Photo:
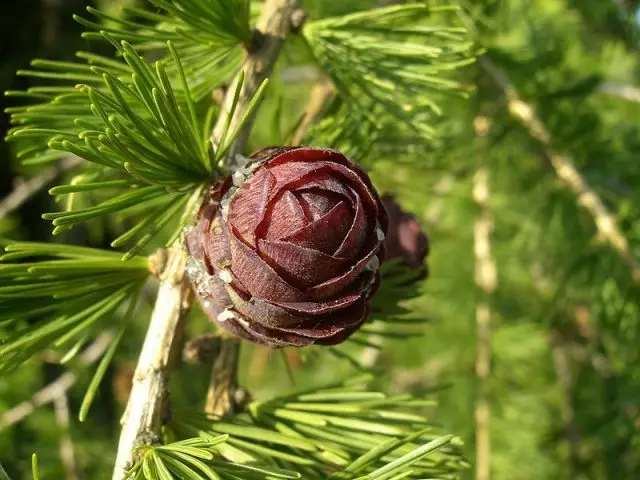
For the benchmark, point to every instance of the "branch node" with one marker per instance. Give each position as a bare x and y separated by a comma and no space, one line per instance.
202,349
298,19
158,262
258,39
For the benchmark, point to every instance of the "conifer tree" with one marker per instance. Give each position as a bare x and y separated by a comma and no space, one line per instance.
521,166
155,120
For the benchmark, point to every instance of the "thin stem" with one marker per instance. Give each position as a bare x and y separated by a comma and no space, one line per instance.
486,281
3,474
273,25
147,410
67,450
565,169
320,97
30,187
224,379
59,386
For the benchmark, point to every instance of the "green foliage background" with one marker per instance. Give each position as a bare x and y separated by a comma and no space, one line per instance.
557,280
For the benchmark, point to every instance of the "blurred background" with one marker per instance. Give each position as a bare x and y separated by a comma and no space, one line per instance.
531,199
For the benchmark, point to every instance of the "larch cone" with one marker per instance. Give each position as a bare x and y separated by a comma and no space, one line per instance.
286,252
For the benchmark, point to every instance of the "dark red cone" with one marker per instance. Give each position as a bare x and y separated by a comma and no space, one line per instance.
287,253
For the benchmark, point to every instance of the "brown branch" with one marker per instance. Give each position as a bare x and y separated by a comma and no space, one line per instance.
59,386
147,408
626,92
223,397
27,188
486,281
274,24
565,169
320,97
202,349
223,384
67,455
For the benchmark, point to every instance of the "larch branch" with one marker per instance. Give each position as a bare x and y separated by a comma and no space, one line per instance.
565,169
486,280
146,409
223,384
274,24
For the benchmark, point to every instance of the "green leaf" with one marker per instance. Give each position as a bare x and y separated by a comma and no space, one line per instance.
118,107
73,351
69,290
34,467
260,434
327,428
344,396
163,472
391,67
102,369
388,471
376,453
229,138
148,465
270,473
267,452
207,37
194,462
180,469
